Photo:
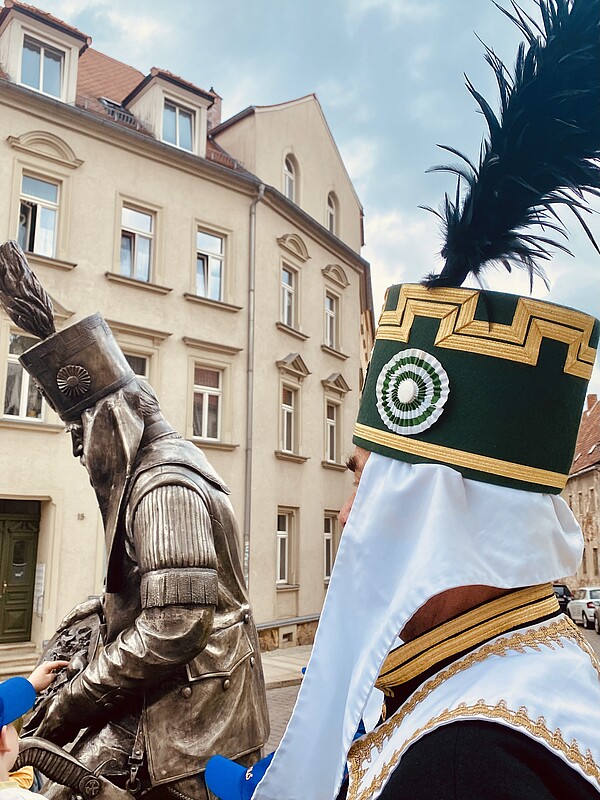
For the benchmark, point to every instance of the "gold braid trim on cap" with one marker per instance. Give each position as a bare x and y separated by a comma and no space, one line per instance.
533,321
360,753
465,632
461,458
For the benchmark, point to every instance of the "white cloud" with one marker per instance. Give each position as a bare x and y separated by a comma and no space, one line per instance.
131,36
70,9
397,11
400,248
360,156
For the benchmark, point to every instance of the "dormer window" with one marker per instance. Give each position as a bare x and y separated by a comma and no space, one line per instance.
42,67
178,126
289,178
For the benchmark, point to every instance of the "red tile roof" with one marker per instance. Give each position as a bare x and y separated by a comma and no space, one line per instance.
587,450
103,76
170,76
55,22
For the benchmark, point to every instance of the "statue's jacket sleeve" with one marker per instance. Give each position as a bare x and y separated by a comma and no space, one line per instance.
181,644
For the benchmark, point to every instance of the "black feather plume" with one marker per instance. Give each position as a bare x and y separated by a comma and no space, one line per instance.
540,154
22,296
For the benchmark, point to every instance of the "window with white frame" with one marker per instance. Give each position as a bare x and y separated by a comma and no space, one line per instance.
178,126
289,280
38,216
210,260
285,523
208,389
139,364
329,534
22,398
289,401
137,239
331,213
331,432
331,320
289,178
42,67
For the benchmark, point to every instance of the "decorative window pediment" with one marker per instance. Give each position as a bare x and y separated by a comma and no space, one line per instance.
336,274
293,364
46,145
294,245
336,383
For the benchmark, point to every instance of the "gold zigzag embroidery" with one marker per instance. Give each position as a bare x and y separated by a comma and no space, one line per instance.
533,321
361,752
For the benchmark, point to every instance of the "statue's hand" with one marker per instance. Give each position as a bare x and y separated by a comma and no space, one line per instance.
81,611
59,722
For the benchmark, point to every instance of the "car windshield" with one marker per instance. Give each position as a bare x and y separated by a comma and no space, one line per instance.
560,591
595,594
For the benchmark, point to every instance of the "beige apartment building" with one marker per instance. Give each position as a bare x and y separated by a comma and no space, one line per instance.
583,490
225,258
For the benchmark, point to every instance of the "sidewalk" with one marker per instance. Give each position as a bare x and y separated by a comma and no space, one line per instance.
284,667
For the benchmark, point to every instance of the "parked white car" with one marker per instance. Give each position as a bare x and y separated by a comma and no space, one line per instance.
582,606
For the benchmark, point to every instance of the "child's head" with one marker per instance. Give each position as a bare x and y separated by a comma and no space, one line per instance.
17,696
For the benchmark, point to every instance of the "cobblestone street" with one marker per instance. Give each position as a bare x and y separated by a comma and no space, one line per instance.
281,701
593,639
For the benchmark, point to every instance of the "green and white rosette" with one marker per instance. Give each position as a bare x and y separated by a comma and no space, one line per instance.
412,389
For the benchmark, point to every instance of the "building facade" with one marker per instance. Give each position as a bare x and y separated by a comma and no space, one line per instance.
225,258
582,491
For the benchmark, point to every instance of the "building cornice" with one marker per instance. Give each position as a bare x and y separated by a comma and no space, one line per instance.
592,468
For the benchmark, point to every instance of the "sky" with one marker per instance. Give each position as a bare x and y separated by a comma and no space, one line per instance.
389,75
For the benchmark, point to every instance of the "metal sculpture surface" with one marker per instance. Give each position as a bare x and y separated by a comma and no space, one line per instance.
177,677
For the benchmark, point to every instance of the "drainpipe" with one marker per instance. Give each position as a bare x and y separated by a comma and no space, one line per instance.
250,382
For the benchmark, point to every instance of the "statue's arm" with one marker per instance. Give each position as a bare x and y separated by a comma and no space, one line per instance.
174,547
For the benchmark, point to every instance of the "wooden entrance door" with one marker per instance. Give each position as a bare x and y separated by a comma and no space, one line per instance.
18,552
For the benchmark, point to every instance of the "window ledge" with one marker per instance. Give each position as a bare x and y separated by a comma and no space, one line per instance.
31,425
287,587
295,457
334,465
148,287
209,444
45,261
332,352
206,301
281,326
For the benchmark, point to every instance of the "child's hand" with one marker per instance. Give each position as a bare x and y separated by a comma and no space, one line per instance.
43,675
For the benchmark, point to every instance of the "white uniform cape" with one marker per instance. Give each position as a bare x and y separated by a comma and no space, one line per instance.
542,680
413,532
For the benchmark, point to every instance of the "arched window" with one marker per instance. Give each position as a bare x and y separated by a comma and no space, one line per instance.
332,213
289,178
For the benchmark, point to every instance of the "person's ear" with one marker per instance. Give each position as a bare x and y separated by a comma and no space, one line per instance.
4,747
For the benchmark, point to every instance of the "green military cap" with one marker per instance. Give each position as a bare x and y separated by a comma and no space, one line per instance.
488,383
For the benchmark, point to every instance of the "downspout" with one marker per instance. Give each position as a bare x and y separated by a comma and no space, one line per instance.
250,382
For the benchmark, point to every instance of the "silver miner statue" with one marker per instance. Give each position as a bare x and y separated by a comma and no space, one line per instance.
178,677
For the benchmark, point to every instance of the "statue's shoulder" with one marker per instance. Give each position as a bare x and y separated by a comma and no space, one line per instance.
173,461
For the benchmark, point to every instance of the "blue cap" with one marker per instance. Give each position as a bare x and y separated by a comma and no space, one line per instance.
17,696
230,781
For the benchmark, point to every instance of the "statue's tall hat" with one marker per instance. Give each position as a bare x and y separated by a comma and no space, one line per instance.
73,368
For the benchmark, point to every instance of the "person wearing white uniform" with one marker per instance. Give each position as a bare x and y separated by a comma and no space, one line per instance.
441,595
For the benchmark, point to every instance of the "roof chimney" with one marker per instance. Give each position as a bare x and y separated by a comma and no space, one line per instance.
214,112
592,399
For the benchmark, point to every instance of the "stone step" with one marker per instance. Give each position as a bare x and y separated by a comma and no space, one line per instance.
22,666
17,659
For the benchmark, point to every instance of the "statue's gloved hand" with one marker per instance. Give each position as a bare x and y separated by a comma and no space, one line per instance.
81,611
66,713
